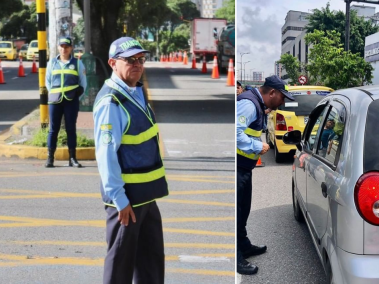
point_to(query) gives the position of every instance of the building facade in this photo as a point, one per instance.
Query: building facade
(208, 8)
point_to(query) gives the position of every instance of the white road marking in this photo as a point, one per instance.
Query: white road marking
(7, 122)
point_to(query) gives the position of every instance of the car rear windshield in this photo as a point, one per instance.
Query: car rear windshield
(5, 45)
(303, 104)
(370, 150)
(34, 44)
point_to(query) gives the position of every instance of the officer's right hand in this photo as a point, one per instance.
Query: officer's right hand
(123, 215)
(265, 148)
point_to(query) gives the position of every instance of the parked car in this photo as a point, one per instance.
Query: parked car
(292, 116)
(335, 183)
(8, 50)
(33, 51)
(23, 51)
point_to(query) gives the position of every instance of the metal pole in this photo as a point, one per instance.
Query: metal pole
(242, 53)
(244, 71)
(87, 27)
(347, 26)
(41, 36)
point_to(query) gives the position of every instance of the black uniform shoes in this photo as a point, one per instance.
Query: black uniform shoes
(246, 268)
(254, 250)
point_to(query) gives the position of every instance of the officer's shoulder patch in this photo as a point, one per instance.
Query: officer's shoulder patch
(106, 137)
(72, 66)
(106, 127)
(242, 119)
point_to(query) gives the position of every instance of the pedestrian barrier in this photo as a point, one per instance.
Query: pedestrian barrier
(193, 61)
(215, 74)
(259, 163)
(21, 71)
(204, 69)
(185, 58)
(34, 67)
(2, 81)
(230, 80)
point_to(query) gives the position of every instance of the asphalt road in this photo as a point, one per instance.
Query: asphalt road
(291, 256)
(19, 95)
(52, 220)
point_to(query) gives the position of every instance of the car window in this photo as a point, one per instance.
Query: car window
(315, 133)
(5, 45)
(371, 139)
(331, 133)
(34, 44)
(303, 105)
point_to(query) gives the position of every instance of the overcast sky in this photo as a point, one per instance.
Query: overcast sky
(259, 26)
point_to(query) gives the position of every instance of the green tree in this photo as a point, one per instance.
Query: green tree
(292, 66)
(327, 20)
(78, 32)
(227, 11)
(8, 7)
(331, 66)
(178, 40)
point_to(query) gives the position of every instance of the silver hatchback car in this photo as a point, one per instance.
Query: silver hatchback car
(335, 184)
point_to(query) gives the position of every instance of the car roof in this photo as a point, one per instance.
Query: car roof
(371, 90)
(311, 88)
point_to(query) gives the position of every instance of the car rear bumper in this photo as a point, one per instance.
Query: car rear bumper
(355, 268)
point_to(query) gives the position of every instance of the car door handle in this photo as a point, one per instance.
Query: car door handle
(324, 189)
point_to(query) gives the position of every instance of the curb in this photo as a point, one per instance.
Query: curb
(29, 152)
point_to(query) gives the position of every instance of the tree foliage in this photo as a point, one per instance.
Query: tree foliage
(227, 11)
(178, 40)
(327, 20)
(331, 66)
(292, 65)
(8, 7)
(78, 32)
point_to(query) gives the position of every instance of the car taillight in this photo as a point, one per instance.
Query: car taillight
(366, 196)
(290, 128)
(280, 122)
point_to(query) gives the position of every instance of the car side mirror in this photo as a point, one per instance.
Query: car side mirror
(292, 137)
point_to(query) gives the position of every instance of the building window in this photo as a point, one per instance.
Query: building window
(306, 53)
(293, 50)
(289, 28)
(288, 39)
(300, 50)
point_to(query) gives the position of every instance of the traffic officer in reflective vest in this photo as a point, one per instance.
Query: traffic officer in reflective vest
(251, 106)
(66, 82)
(131, 170)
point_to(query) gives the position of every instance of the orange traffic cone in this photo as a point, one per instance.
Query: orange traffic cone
(170, 57)
(185, 59)
(34, 67)
(230, 81)
(215, 74)
(21, 71)
(193, 61)
(259, 163)
(180, 56)
(2, 81)
(161, 58)
(204, 69)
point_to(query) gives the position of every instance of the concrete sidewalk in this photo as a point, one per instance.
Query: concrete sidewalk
(11, 140)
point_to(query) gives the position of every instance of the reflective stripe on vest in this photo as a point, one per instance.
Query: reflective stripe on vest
(144, 177)
(142, 137)
(253, 132)
(249, 156)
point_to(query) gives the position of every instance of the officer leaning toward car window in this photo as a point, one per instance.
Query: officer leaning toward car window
(66, 81)
(131, 170)
(251, 114)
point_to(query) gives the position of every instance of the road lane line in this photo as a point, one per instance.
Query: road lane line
(196, 202)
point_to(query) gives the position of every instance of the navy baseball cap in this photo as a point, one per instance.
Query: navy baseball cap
(125, 47)
(276, 83)
(66, 41)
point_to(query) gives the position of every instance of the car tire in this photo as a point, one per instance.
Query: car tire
(279, 157)
(297, 213)
(329, 272)
(268, 140)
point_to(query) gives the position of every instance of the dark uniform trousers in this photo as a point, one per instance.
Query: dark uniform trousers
(244, 193)
(136, 251)
(70, 110)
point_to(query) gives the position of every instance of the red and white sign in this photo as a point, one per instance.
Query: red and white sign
(303, 79)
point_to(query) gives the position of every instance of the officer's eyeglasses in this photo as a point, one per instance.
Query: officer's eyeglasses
(132, 60)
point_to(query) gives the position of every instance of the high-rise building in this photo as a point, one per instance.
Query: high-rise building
(258, 76)
(209, 7)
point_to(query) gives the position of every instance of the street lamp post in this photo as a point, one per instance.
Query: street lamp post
(244, 71)
(242, 53)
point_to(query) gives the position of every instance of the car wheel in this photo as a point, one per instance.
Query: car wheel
(279, 157)
(329, 272)
(296, 207)
(268, 140)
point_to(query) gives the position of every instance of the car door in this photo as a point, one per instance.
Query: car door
(322, 164)
(303, 156)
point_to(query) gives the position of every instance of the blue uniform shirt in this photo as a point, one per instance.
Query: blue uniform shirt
(106, 112)
(246, 114)
(81, 71)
